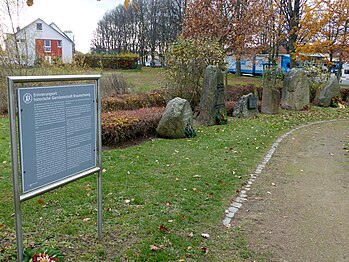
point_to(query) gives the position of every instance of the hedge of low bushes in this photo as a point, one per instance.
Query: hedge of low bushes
(111, 61)
(134, 101)
(233, 93)
(127, 125)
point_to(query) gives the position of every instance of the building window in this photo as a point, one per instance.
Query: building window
(47, 45)
(59, 43)
(39, 26)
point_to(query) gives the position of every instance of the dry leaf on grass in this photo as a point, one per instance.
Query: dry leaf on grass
(163, 228)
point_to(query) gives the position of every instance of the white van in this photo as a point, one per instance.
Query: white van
(344, 80)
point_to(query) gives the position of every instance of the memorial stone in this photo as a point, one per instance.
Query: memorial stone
(296, 90)
(330, 90)
(270, 101)
(178, 117)
(212, 97)
(246, 106)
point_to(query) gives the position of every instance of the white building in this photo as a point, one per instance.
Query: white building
(41, 41)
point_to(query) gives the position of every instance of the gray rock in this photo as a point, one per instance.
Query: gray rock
(178, 114)
(212, 96)
(331, 89)
(245, 107)
(270, 101)
(296, 90)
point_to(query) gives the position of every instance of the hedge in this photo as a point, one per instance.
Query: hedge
(109, 61)
(125, 125)
(134, 101)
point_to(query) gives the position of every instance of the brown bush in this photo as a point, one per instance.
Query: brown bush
(123, 126)
(229, 105)
(345, 94)
(134, 101)
(115, 84)
(233, 93)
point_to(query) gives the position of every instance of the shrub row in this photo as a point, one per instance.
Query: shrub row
(233, 93)
(134, 101)
(126, 125)
(116, 61)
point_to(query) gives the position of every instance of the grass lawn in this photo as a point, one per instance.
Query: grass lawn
(243, 80)
(158, 197)
(144, 79)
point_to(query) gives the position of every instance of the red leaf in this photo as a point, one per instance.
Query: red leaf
(40, 201)
(163, 228)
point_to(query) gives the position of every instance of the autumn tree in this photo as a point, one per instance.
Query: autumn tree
(325, 28)
(233, 22)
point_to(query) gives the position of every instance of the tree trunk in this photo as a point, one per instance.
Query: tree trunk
(238, 66)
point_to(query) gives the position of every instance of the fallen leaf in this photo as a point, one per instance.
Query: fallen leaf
(205, 235)
(2, 225)
(191, 234)
(153, 248)
(204, 249)
(163, 228)
(40, 201)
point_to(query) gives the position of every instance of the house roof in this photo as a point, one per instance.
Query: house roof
(52, 25)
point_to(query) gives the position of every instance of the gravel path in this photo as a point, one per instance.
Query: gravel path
(298, 207)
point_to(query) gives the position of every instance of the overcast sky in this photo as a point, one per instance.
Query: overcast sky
(80, 16)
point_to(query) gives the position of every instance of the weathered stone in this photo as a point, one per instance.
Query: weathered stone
(212, 97)
(178, 114)
(296, 90)
(270, 101)
(331, 89)
(246, 106)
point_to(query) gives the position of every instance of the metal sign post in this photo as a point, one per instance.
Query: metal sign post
(65, 120)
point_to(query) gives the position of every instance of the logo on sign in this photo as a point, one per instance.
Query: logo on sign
(27, 98)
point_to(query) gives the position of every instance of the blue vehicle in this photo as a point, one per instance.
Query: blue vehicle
(257, 64)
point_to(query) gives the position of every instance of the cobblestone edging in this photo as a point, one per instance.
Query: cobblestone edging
(236, 204)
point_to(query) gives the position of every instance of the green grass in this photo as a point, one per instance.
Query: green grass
(144, 79)
(184, 185)
(244, 80)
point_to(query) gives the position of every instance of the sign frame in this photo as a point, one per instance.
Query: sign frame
(14, 132)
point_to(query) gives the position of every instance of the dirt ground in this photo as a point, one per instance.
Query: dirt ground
(298, 207)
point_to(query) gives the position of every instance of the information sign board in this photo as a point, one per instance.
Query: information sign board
(57, 129)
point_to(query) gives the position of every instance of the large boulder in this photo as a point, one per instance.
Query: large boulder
(270, 101)
(330, 90)
(212, 97)
(246, 106)
(296, 90)
(177, 117)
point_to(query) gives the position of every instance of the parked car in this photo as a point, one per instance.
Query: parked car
(155, 63)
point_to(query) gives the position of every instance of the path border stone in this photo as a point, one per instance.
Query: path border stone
(237, 202)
